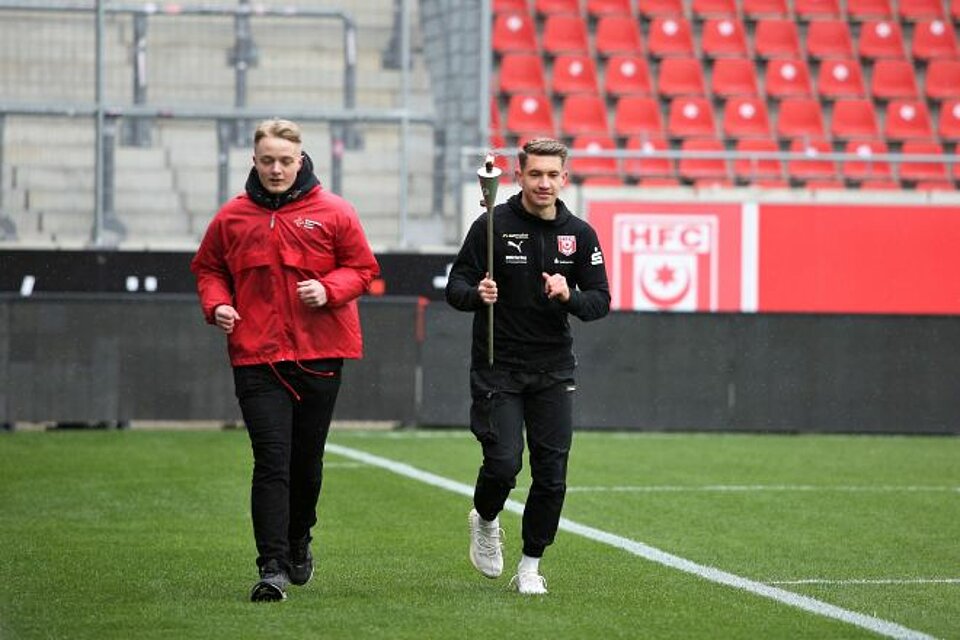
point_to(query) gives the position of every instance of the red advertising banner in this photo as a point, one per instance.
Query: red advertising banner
(818, 258)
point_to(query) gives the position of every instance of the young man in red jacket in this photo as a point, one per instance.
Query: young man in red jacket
(279, 270)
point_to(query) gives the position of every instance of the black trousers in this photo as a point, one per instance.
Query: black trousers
(503, 403)
(287, 409)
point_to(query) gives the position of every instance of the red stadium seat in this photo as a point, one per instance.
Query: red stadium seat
(746, 118)
(866, 169)
(754, 169)
(765, 9)
(919, 171)
(869, 9)
(829, 39)
(565, 33)
(933, 39)
(681, 77)
(628, 75)
(603, 181)
(670, 37)
(651, 8)
(514, 32)
(641, 167)
(522, 73)
(735, 77)
(691, 118)
(788, 78)
(548, 7)
(529, 114)
(949, 120)
(920, 9)
(584, 114)
(723, 37)
(840, 79)
(894, 79)
(776, 38)
(935, 185)
(510, 6)
(618, 35)
(695, 169)
(800, 118)
(881, 39)
(816, 9)
(714, 8)
(879, 185)
(955, 10)
(943, 79)
(590, 164)
(574, 74)
(495, 122)
(609, 7)
(812, 168)
(854, 118)
(908, 119)
(637, 116)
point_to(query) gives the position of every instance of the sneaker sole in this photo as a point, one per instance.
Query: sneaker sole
(266, 592)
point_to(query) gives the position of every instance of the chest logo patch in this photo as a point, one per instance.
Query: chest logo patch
(567, 245)
(307, 224)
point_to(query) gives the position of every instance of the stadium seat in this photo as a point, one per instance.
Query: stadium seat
(573, 73)
(816, 9)
(714, 8)
(697, 169)
(549, 7)
(734, 77)
(756, 169)
(637, 116)
(811, 168)
(933, 39)
(670, 37)
(869, 10)
(800, 118)
(949, 120)
(584, 114)
(496, 124)
(866, 169)
(618, 35)
(529, 114)
(829, 39)
(522, 73)
(691, 117)
(894, 78)
(908, 119)
(565, 33)
(681, 77)
(723, 37)
(627, 75)
(920, 9)
(881, 39)
(514, 32)
(599, 8)
(955, 10)
(788, 78)
(840, 79)
(935, 185)
(603, 181)
(593, 165)
(776, 38)
(653, 8)
(854, 118)
(510, 6)
(641, 167)
(916, 170)
(943, 79)
(746, 118)
(756, 9)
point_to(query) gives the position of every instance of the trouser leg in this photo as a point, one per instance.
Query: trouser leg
(496, 419)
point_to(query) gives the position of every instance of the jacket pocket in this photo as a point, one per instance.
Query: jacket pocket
(311, 266)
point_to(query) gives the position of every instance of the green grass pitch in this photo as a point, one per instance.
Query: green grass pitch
(146, 534)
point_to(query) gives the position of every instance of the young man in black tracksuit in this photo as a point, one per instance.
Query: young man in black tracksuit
(547, 264)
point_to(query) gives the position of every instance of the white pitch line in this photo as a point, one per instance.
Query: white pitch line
(734, 488)
(868, 581)
(871, 623)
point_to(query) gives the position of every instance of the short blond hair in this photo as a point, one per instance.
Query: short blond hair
(542, 147)
(277, 128)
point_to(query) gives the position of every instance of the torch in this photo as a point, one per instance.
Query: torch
(489, 176)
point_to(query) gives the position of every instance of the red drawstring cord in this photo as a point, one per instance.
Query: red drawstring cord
(284, 382)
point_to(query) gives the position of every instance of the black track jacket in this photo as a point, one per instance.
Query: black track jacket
(531, 332)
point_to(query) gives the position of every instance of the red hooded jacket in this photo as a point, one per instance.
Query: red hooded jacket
(252, 257)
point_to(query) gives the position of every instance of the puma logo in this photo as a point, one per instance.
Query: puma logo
(516, 245)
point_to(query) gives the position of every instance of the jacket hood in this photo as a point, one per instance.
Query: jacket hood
(304, 184)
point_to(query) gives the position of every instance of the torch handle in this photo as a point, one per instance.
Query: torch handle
(490, 272)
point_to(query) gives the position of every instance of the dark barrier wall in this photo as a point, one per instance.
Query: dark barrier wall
(151, 357)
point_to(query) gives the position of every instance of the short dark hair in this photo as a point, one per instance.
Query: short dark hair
(277, 128)
(542, 147)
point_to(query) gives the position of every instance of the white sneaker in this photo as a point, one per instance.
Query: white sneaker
(485, 549)
(529, 583)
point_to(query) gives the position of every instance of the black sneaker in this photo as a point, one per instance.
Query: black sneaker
(272, 585)
(301, 562)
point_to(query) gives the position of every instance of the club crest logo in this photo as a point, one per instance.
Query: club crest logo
(307, 223)
(567, 245)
